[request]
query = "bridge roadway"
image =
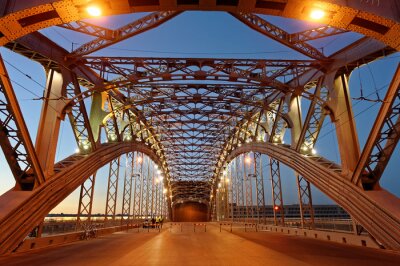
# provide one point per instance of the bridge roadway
(203, 248)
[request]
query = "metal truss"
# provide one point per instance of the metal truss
(277, 199)
(112, 125)
(127, 192)
(382, 140)
(137, 199)
(305, 202)
(85, 202)
(146, 186)
(258, 172)
(15, 139)
(89, 29)
(146, 70)
(314, 119)
(240, 195)
(247, 178)
(266, 28)
(316, 33)
(108, 37)
(234, 193)
(79, 119)
(279, 125)
(112, 189)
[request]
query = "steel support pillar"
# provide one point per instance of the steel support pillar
(50, 120)
(343, 118)
(127, 194)
(146, 186)
(234, 182)
(305, 202)
(112, 189)
(85, 202)
(258, 172)
(15, 139)
(248, 189)
(137, 199)
(240, 199)
(277, 200)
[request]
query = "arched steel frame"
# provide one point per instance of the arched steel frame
(381, 23)
(379, 219)
(30, 207)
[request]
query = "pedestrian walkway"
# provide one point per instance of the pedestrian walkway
(176, 246)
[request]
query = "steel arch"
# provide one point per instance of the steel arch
(374, 210)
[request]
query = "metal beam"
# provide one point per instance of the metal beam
(141, 25)
(382, 141)
(15, 139)
(268, 29)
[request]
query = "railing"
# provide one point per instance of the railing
(326, 224)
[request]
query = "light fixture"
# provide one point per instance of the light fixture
(77, 150)
(317, 14)
(313, 151)
(93, 10)
(139, 159)
(155, 166)
(247, 159)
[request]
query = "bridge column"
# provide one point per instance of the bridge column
(247, 177)
(85, 202)
(346, 132)
(277, 200)
(240, 200)
(234, 195)
(258, 172)
(146, 186)
(137, 198)
(227, 185)
(305, 202)
(127, 194)
(112, 190)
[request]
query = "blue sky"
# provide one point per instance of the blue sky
(203, 34)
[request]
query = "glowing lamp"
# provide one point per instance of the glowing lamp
(317, 14)
(94, 11)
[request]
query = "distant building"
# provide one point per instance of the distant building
(290, 211)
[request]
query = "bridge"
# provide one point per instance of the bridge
(199, 139)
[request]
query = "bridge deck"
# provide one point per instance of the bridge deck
(203, 248)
